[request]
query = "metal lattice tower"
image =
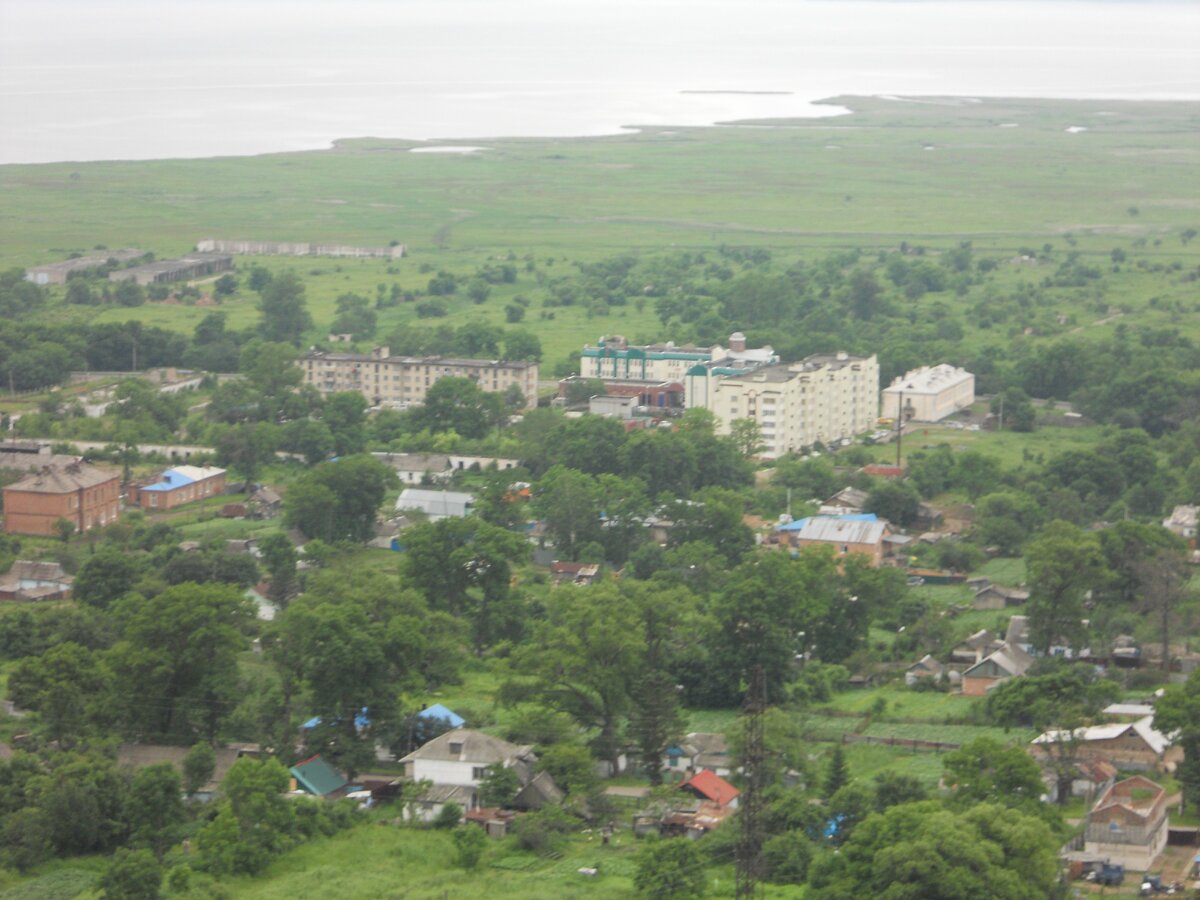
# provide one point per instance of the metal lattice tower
(749, 849)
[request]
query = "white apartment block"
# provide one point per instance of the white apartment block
(400, 381)
(825, 398)
(929, 393)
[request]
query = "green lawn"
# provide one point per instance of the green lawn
(902, 703)
(377, 860)
(949, 734)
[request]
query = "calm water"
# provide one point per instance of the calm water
(82, 79)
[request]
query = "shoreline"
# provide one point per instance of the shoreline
(837, 106)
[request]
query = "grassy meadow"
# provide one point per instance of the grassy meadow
(1005, 174)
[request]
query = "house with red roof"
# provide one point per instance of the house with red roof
(708, 785)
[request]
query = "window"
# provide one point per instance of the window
(478, 773)
(456, 747)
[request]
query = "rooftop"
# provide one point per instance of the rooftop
(182, 475)
(64, 479)
(465, 745)
(929, 379)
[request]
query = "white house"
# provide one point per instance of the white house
(462, 756)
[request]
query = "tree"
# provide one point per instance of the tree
(132, 875)
(583, 659)
(839, 774)
(247, 448)
(332, 649)
(747, 437)
(987, 771)
(153, 809)
(787, 857)
(522, 344)
(571, 766)
(671, 868)
(459, 405)
(1163, 579)
(566, 501)
(198, 767)
(105, 577)
(63, 685)
(499, 786)
(285, 315)
(279, 556)
(311, 439)
(469, 844)
(64, 528)
(1064, 563)
(253, 822)
(345, 414)
(895, 501)
(339, 499)
(1005, 519)
(924, 850)
(175, 671)
(226, 285)
(1178, 710)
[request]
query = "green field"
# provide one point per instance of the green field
(931, 173)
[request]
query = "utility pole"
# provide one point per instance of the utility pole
(749, 849)
(899, 427)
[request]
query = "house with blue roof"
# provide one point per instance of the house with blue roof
(176, 486)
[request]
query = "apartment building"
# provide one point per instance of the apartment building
(84, 495)
(400, 381)
(824, 398)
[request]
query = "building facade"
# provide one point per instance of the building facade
(86, 496)
(174, 487)
(196, 265)
(1128, 825)
(614, 359)
(928, 394)
(825, 398)
(401, 381)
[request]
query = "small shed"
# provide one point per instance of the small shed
(315, 776)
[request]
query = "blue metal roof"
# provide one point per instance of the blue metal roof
(437, 711)
(171, 479)
(856, 517)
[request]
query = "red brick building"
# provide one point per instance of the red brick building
(86, 496)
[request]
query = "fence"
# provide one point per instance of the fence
(906, 743)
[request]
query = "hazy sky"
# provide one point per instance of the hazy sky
(84, 79)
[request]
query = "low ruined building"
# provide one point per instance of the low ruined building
(1128, 825)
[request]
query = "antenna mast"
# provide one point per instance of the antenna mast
(749, 849)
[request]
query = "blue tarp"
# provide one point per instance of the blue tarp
(856, 517)
(437, 711)
(361, 721)
(171, 479)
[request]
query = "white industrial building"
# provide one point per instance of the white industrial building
(928, 394)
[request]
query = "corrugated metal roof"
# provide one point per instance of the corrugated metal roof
(317, 777)
(842, 529)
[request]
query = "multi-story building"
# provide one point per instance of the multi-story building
(86, 496)
(401, 381)
(825, 398)
(614, 360)
(929, 394)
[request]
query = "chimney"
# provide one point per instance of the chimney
(737, 342)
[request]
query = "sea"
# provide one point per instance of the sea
(148, 79)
